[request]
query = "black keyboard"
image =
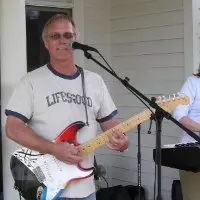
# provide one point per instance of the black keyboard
(181, 156)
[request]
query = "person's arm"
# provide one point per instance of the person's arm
(117, 141)
(18, 131)
(190, 124)
(181, 112)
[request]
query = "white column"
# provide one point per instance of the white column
(191, 51)
(13, 67)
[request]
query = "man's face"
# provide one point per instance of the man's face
(59, 34)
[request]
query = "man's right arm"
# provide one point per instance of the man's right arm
(190, 124)
(22, 134)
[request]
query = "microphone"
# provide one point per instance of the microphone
(84, 47)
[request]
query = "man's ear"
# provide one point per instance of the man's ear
(76, 36)
(45, 43)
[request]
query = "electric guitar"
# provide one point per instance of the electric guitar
(52, 175)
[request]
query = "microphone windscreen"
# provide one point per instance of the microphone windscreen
(70, 44)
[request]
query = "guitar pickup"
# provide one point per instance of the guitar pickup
(39, 174)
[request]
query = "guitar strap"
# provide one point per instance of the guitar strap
(95, 168)
(84, 93)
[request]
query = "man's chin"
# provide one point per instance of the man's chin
(63, 58)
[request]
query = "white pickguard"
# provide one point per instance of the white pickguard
(54, 174)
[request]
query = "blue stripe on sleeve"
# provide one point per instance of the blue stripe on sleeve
(17, 115)
(107, 117)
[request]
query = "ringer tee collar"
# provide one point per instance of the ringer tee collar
(69, 77)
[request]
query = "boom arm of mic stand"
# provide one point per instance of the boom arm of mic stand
(150, 102)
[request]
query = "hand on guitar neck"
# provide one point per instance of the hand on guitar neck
(118, 141)
(67, 153)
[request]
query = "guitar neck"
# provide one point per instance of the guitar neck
(125, 126)
(166, 104)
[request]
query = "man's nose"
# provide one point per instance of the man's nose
(62, 39)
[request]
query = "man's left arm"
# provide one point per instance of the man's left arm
(117, 140)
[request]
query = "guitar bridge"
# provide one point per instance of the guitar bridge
(39, 174)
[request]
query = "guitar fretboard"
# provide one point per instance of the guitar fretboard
(125, 126)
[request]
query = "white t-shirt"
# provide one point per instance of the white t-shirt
(191, 88)
(49, 101)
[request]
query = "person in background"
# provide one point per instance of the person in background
(50, 98)
(189, 116)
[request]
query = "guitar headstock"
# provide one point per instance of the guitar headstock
(172, 101)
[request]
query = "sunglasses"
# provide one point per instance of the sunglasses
(58, 36)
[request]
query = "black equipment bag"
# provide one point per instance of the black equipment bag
(120, 192)
(25, 181)
(176, 192)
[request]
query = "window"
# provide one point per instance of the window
(36, 17)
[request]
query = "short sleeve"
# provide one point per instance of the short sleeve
(189, 89)
(20, 104)
(107, 107)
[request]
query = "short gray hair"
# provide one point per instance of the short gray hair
(54, 18)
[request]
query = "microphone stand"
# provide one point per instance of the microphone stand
(158, 116)
(139, 161)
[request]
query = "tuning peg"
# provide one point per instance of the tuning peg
(181, 94)
(173, 96)
(164, 98)
(159, 99)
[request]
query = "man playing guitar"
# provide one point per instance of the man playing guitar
(50, 98)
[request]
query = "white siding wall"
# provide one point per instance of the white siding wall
(97, 31)
(147, 46)
(146, 41)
